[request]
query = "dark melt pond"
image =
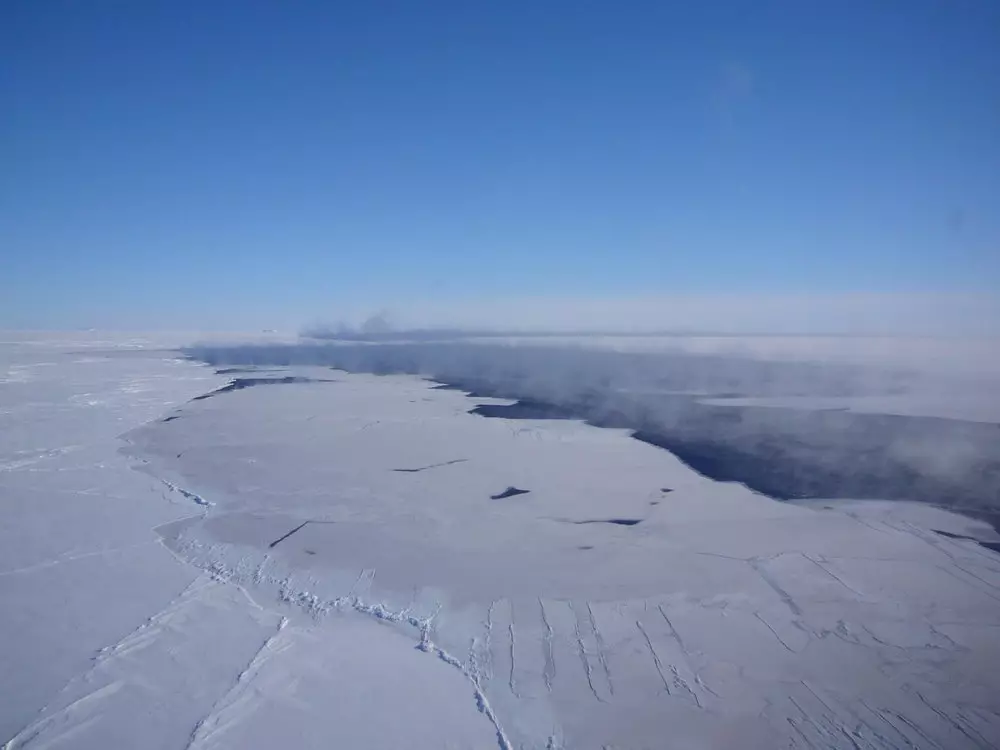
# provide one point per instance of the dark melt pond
(615, 521)
(509, 492)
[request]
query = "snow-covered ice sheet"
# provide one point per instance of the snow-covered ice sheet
(336, 564)
(108, 639)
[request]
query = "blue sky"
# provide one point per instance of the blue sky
(265, 164)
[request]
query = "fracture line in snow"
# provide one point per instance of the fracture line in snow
(211, 724)
(488, 638)
(130, 641)
(978, 739)
(432, 466)
(683, 684)
(673, 631)
(834, 576)
(991, 593)
(137, 638)
(357, 580)
(816, 695)
(424, 626)
(993, 586)
(773, 632)
(601, 651)
(582, 650)
(301, 526)
(782, 594)
(828, 737)
(916, 729)
(510, 630)
(687, 659)
(482, 703)
(656, 659)
(72, 558)
(39, 726)
(196, 498)
(285, 536)
(879, 715)
(549, 670)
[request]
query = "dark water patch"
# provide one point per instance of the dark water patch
(665, 490)
(301, 526)
(248, 370)
(169, 419)
(615, 521)
(586, 546)
(991, 517)
(240, 383)
(654, 502)
(509, 492)
(992, 546)
(432, 466)
(796, 454)
(525, 409)
(282, 538)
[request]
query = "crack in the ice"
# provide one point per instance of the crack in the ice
(981, 741)
(822, 731)
(238, 384)
(283, 537)
(974, 587)
(656, 659)
(912, 726)
(688, 658)
(782, 594)
(978, 578)
(774, 632)
(432, 466)
(549, 670)
(208, 726)
(822, 702)
(673, 631)
(795, 725)
(196, 498)
(582, 650)
(32, 731)
(510, 631)
(73, 558)
(834, 576)
(424, 626)
(488, 639)
(682, 683)
(893, 727)
(851, 737)
(601, 651)
(136, 637)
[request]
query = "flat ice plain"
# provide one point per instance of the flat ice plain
(341, 560)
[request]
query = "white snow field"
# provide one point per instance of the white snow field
(361, 563)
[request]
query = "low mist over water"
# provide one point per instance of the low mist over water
(701, 407)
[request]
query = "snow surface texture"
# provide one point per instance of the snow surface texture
(108, 640)
(341, 564)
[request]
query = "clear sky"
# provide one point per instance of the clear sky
(266, 164)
